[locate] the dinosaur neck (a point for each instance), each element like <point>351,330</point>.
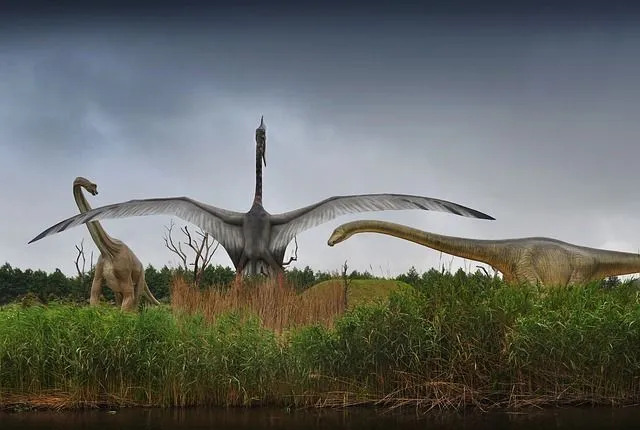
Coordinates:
<point>486,251</point>
<point>258,195</point>
<point>105,244</point>
<point>614,263</point>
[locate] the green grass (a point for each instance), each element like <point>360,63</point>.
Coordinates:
<point>361,291</point>
<point>458,340</point>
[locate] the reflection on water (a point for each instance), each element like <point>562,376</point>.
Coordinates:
<point>272,419</point>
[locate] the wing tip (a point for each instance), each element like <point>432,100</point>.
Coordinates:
<point>38,237</point>
<point>483,215</point>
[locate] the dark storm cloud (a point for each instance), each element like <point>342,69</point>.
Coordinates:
<point>289,8</point>
<point>402,66</point>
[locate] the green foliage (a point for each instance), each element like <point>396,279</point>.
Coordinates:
<point>148,358</point>
<point>506,344</point>
<point>500,344</point>
<point>360,291</point>
<point>15,283</point>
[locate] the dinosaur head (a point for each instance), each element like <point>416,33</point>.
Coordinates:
<point>92,188</point>
<point>86,184</point>
<point>261,140</point>
<point>338,235</point>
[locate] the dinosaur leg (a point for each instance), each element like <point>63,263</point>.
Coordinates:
<point>118,297</point>
<point>96,284</point>
<point>241,264</point>
<point>129,301</point>
<point>277,269</point>
<point>526,274</point>
<point>579,277</point>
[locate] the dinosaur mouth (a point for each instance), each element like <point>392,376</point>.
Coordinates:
<point>333,240</point>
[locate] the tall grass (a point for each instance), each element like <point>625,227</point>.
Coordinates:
<point>460,340</point>
<point>274,301</point>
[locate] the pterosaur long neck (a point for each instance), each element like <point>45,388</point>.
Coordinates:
<point>261,148</point>
<point>105,244</point>
<point>486,251</point>
<point>258,194</point>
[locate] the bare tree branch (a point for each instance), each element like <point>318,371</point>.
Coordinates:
<point>208,251</point>
<point>484,270</point>
<point>176,249</point>
<point>81,272</point>
<point>202,248</point>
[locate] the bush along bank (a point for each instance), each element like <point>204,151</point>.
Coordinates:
<point>456,341</point>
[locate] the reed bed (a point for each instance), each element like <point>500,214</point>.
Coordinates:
<point>458,341</point>
<point>274,301</point>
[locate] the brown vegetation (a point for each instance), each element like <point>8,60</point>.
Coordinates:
<point>274,301</point>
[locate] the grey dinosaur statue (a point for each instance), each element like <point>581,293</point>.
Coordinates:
<point>534,260</point>
<point>117,265</point>
<point>257,237</point>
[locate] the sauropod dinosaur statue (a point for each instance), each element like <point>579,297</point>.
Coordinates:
<point>257,239</point>
<point>523,260</point>
<point>117,264</point>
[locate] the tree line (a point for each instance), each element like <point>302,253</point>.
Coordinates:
<point>16,283</point>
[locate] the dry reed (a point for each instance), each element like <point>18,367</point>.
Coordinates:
<point>275,301</point>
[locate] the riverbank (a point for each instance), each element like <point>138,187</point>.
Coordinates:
<point>460,341</point>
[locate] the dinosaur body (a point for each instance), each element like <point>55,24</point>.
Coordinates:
<point>523,260</point>
<point>117,265</point>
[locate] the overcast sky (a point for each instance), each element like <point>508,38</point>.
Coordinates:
<point>533,119</point>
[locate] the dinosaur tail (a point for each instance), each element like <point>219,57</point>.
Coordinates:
<point>145,291</point>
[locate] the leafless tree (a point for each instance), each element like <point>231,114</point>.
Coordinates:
<point>202,248</point>
<point>80,256</point>
<point>81,267</point>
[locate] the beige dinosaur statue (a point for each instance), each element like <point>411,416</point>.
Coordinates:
<point>524,260</point>
<point>117,265</point>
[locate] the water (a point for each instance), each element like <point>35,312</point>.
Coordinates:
<point>272,419</point>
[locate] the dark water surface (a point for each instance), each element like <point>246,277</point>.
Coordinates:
<point>259,419</point>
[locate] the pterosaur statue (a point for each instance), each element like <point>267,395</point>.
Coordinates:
<point>257,238</point>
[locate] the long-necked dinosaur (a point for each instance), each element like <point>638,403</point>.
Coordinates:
<point>117,265</point>
<point>524,260</point>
